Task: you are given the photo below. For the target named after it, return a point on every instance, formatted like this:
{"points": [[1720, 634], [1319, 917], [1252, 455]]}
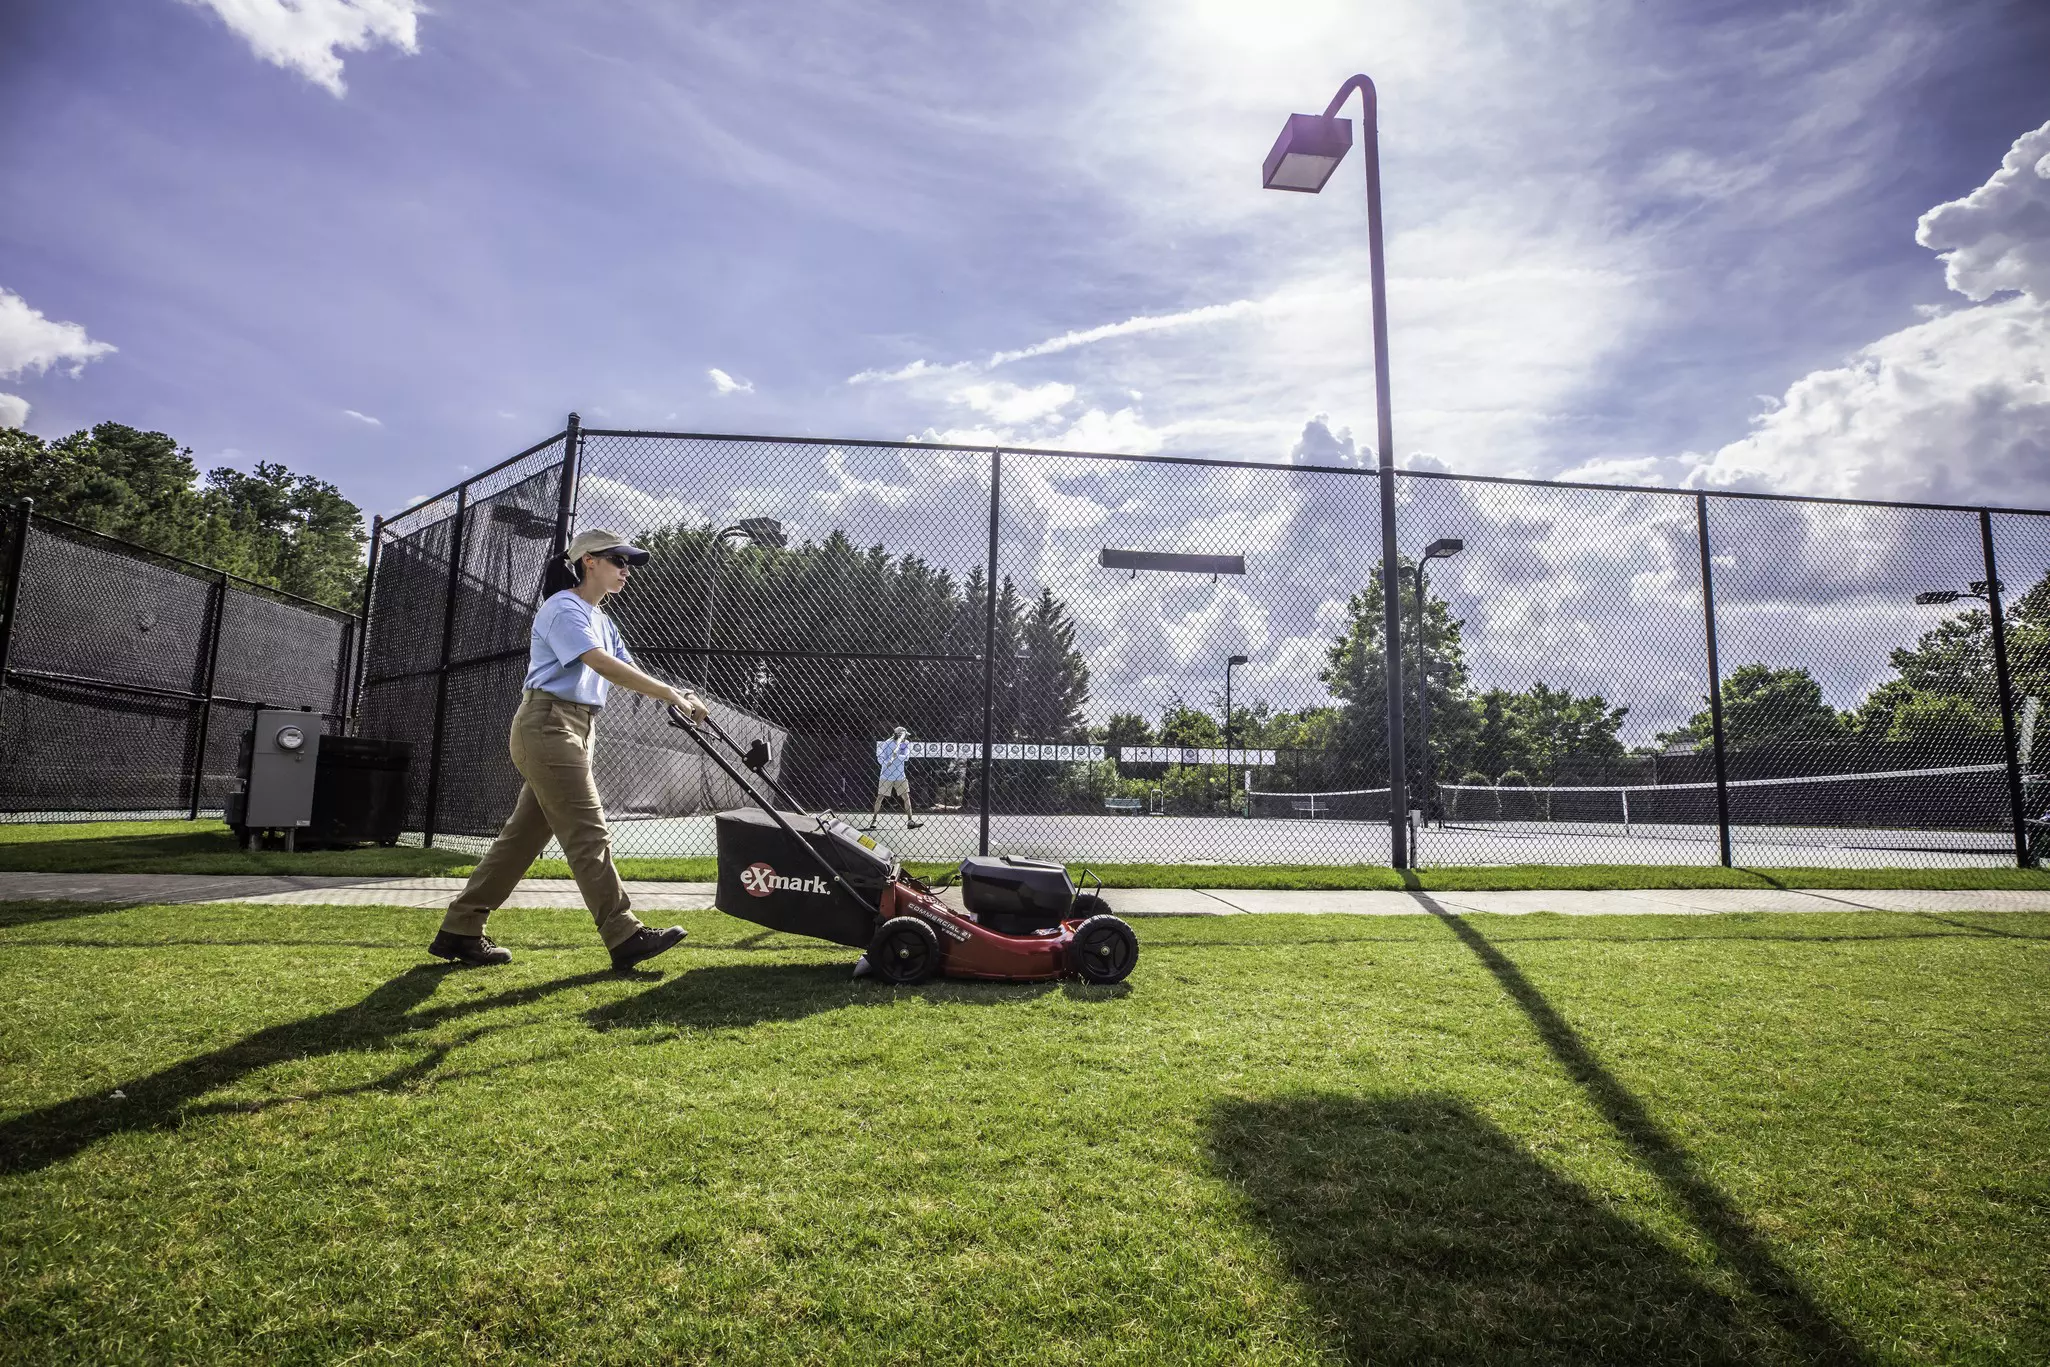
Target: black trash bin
{"points": [[766, 878], [359, 791]]}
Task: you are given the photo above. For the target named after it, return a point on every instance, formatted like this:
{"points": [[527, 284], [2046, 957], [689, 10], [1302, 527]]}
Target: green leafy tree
{"points": [[1764, 705], [1556, 733], [1356, 675], [290, 531], [795, 634]]}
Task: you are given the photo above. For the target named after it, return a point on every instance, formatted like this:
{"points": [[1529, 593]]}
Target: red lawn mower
{"points": [[1025, 920]]}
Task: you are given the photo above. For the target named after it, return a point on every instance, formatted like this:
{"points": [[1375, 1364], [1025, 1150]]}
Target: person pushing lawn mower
{"points": [[574, 655]]}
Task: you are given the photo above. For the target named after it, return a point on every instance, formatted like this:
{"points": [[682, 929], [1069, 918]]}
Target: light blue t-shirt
{"points": [[564, 628], [891, 754]]}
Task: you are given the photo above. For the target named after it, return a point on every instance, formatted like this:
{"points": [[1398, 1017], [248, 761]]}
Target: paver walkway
{"points": [[649, 896]]}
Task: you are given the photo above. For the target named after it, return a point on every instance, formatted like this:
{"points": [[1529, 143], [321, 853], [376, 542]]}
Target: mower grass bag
{"points": [[765, 878], [1020, 896]]}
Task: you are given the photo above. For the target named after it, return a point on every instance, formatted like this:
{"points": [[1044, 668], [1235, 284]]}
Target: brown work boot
{"points": [[474, 950], [645, 944]]}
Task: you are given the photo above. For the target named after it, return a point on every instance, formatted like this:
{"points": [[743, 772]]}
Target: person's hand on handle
{"points": [[690, 704]]}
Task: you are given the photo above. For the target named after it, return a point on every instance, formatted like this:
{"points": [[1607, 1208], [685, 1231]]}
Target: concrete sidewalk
{"points": [[658, 897]]}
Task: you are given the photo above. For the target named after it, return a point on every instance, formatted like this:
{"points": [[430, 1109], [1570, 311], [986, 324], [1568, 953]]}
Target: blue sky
{"points": [[383, 242]]}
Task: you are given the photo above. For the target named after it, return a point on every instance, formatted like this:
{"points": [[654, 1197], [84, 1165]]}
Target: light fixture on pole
{"points": [[1442, 549], [1304, 156], [1229, 665], [1978, 591]]}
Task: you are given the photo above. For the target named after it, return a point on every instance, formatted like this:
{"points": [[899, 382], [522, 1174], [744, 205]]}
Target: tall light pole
{"points": [[1304, 156], [765, 532], [1233, 663], [1441, 549]]}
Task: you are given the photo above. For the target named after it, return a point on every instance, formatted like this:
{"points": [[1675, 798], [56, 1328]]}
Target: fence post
{"points": [[1715, 679], [216, 609], [2000, 679], [448, 634], [989, 641], [361, 672], [565, 499], [10, 592]]}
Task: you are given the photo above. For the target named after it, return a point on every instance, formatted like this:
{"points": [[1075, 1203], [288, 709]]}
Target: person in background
{"points": [[890, 755], [574, 655]]}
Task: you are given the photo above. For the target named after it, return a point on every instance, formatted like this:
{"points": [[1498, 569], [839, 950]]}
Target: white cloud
{"points": [[1955, 408], [31, 344], [908, 372], [363, 418], [1998, 237], [722, 383], [307, 36], [1012, 404], [13, 410], [1068, 341]]}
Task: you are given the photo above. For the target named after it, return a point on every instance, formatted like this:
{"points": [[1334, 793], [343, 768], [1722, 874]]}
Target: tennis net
{"points": [[1823, 808]]}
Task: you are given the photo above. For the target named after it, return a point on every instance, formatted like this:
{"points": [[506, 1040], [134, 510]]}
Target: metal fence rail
{"points": [[126, 675], [1164, 658]]}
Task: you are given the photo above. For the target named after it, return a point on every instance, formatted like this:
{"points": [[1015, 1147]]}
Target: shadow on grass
{"points": [[165, 1099], [730, 996], [32, 913], [1808, 1328], [1421, 1233]]}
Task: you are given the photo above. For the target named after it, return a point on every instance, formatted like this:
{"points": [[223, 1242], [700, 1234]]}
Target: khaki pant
{"points": [[551, 747]]}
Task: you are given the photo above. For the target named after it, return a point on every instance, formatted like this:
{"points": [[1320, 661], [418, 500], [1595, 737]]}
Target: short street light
{"points": [[765, 532], [1303, 158], [1229, 665], [1443, 548]]}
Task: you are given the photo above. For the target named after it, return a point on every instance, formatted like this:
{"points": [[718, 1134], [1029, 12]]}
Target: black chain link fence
{"points": [[127, 677], [1182, 660]]}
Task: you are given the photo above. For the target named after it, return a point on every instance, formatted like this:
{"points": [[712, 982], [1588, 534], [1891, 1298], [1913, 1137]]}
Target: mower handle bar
{"points": [[682, 722]]}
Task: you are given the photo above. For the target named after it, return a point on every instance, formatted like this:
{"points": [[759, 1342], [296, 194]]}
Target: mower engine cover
{"points": [[1016, 896], [766, 878]]}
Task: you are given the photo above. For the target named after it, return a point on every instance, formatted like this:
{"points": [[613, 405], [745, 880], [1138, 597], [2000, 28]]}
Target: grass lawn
{"points": [[208, 847], [1285, 1139]]}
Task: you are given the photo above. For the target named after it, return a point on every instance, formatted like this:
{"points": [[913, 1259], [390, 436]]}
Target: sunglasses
{"points": [[621, 561]]}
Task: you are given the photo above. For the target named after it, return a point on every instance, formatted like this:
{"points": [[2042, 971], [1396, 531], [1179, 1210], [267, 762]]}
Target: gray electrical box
{"points": [[284, 755]]}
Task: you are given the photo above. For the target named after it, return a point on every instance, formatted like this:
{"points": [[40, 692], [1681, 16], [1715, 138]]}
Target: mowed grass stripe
{"points": [[1292, 1139]]}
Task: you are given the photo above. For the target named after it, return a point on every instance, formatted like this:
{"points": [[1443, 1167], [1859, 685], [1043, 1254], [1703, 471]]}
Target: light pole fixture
{"points": [[765, 532], [1977, 590], [1172, 561], [1303, 158], [1229, 665], [1443, 548]]}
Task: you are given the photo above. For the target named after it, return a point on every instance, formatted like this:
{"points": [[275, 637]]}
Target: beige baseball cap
{"points": [[597, 541]]}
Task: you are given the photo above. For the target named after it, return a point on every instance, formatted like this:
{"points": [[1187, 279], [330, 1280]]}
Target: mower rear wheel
{"points": [[1086, 905], [904, 951], [1104, 950]]}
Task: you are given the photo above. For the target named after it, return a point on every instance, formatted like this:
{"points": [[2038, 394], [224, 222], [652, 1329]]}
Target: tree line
{"points": [[289, 531]]}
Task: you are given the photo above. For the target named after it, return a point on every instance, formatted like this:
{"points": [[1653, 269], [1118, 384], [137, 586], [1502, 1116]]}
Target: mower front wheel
{"points": [[905, 951], [1104, 950]]}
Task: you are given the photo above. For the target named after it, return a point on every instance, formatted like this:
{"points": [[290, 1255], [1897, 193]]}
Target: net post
{"points": [[216, 609], [10, 591], [2012, 751], [359, 675], [1715, 679], [989, 639], [448, 634]]}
